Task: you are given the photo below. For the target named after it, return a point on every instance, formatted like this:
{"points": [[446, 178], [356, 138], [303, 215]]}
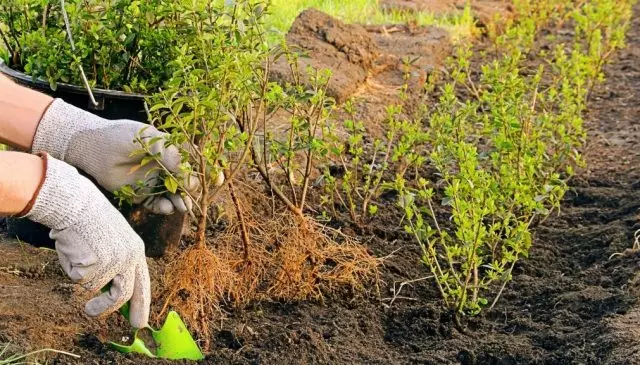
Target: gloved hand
{"points": [[102, 148], [95, 244]]}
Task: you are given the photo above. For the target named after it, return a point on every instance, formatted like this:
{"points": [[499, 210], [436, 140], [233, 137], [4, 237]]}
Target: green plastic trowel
{"points": [[173, 341]]}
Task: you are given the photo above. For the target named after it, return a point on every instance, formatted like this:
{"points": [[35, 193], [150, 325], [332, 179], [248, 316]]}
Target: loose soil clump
{"points": [[328, 43], [417, 51], [364, 60], [408, 55]]}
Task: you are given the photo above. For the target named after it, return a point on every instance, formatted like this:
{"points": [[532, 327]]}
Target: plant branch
{"points": [[243, 225]]}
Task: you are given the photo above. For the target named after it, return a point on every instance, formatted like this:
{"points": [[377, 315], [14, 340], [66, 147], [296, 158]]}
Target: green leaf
{"points": [[157, 107], [373, 209], [171, 184], [146, 160]]}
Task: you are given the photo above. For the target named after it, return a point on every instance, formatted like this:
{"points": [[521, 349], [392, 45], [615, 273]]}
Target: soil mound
{"points": [[413, 50], [326, 42]]}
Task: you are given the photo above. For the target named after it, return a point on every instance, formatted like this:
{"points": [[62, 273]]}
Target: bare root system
{"points": [[266, 257]]}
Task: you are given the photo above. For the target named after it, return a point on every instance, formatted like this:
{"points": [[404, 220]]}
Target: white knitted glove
{"points": [[95, 244], [102, 148]]}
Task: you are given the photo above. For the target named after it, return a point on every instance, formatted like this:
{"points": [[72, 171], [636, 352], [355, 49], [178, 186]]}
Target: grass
{"points": [[366, 12], [17, 359]]}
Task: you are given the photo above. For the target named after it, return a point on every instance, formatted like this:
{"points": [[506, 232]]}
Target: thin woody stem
{"points": [[243, 225]]}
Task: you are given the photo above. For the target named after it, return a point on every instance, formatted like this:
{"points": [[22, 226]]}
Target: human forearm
{"points": [[95, 244], [104, 149], [20, 112], [20, 177]]}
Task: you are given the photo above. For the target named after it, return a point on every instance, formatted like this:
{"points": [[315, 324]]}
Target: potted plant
{"points": [[104, 58]]}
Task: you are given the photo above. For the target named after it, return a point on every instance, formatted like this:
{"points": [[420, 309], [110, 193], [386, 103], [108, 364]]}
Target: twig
{"points": [[309, 162], [283, 198], [432, 265], [240, 214], [635, 247], [396, 293], [392, 252], [45, 14], [204, 198], [504, 284], [6, 42], [73, 48], [14, 359], [289, 162]]}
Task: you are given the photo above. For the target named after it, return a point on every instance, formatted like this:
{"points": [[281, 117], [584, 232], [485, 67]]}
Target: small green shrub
{"points": [[217, 107], [367, 167], [124, 45]]}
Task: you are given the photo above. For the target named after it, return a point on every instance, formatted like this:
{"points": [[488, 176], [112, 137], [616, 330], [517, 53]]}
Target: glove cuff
{"points": [[27, 208], [58, 125], [61, 197]]}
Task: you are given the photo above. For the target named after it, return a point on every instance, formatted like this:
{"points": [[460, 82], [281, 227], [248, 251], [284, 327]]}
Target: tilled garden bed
{"points": [[573, 301]]}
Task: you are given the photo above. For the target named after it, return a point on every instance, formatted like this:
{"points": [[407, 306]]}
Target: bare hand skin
{"points": [[20, 176], [20, 111]]}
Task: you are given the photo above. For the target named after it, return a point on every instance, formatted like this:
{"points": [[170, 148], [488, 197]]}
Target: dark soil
{"points": [[570, 302]]}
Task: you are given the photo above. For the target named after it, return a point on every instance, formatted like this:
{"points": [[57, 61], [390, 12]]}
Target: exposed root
{"points": [[197, 280], [635, 248], [308, 262], [288, 259]]}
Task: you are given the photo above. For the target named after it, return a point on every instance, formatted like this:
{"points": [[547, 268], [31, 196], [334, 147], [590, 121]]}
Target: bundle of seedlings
{"points": [[489, 154], [218, 106], [505, 144]]}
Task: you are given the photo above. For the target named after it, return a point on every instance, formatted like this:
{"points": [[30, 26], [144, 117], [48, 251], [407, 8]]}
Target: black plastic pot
{"points": [[157, 231]]}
